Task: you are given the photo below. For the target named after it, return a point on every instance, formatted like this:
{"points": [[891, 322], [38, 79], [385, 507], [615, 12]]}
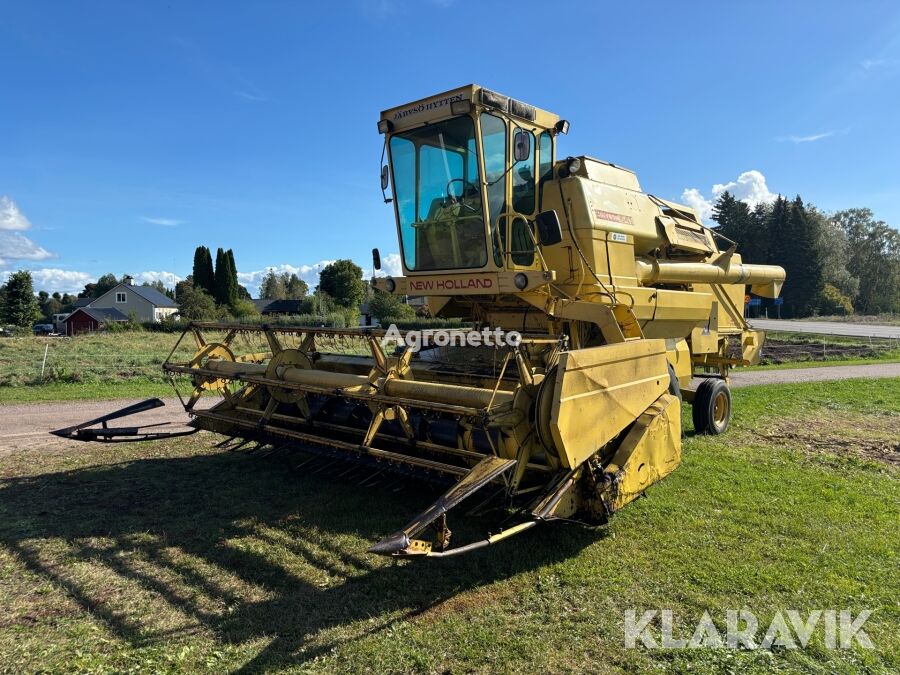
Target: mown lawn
{"points": [[174, 556]]}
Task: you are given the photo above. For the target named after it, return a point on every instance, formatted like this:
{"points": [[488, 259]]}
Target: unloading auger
{"points": [[616, 301]]}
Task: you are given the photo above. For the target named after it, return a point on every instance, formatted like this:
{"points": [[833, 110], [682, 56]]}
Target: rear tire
{"points": [[712, 407], [674, 385]]}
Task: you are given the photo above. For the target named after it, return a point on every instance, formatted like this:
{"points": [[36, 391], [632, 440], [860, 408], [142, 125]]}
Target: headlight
{"points": [[521, 281], [390, 285]]}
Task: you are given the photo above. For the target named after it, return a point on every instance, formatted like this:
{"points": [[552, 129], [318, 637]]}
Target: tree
{"points": [[233, 268], [747, 229], [284, 286], [801, 258], [202, 272], [195, 304], [384, 306], [834, 253], [873, 258], [272, 286], [225, 287], [21, 308], [98, 288], [342, 281], [295, 288]]}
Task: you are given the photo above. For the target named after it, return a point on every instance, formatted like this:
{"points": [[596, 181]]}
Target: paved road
{"points": [[26, 426], [748, 378], [829, 328]]}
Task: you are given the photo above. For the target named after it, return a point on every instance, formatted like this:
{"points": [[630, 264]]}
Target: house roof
{"points": [[100, 315], [82, 302], [269, 306], [151, 295], [281, 307]]}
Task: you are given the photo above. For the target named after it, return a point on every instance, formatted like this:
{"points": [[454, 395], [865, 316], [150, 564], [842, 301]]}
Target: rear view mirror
{"points": [[384, 178], [548, 227], [376, 259], [522, 146]]}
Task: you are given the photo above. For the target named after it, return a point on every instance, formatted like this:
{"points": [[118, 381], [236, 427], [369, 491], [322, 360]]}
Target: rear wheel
{"points": [[712, 407]]}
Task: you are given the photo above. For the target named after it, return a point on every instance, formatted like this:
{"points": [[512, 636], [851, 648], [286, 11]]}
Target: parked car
{"points": [[42, 328]]}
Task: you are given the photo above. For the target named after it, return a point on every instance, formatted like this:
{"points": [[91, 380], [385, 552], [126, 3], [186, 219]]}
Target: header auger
{"points": [[620, 299]]}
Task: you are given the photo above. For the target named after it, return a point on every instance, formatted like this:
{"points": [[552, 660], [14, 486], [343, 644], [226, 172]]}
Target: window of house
{"points": [[120, 297]]}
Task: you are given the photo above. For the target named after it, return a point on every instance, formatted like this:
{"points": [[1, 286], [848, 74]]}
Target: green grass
{"points": [[175, 557], [885, 357]]}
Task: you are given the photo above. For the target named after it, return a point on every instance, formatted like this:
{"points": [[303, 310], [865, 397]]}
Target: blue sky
{"points": [[132, 132]]}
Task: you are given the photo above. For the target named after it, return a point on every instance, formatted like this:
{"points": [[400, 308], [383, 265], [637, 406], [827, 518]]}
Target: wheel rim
{"points": [[720, 408]]}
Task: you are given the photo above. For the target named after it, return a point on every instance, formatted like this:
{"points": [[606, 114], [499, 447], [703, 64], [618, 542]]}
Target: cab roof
{"points": [[438, 106]]}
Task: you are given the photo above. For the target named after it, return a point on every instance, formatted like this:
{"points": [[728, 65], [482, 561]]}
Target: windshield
{"points": [[438, 196]]}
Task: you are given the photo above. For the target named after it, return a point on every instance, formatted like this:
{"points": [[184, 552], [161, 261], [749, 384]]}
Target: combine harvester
{"points": [[621, 299]]}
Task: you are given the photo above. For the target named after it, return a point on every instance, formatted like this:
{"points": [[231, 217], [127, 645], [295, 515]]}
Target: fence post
{"points": [[44, 364]]}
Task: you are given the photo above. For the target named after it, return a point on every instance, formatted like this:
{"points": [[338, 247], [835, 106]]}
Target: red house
{"points": [[89, 319]]}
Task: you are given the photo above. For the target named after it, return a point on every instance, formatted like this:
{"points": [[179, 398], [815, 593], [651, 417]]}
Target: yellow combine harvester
{"points": [[619, 298]]}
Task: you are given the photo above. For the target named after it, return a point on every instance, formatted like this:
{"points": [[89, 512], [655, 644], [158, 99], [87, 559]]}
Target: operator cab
{"points": [[467, 169]]}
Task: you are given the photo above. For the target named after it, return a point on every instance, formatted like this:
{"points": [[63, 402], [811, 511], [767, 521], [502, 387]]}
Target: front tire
{"points": [[712, 407]]}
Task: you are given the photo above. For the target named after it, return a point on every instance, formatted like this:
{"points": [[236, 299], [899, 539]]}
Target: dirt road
{"points": [[28, 425]]}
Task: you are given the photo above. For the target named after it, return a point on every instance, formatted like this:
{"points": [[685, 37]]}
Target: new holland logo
{"points": [[451, 284]]}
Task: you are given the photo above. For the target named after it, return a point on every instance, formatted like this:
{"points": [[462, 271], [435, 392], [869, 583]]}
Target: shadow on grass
{"points": [[169, 511]]}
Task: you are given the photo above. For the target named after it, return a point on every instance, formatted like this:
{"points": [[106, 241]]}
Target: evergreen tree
{"points": [[234, 277], [803, 263], [21, 308], [225, 286], [202, 273], [209, 276]]}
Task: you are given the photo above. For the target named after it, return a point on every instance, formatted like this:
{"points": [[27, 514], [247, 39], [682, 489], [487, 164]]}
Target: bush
{"points": [[244, 308], [832, 301]]}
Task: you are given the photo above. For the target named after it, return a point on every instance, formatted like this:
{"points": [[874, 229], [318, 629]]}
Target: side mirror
{"points": [[385, 177], [548, 227], [376, 259], [521, 146]]}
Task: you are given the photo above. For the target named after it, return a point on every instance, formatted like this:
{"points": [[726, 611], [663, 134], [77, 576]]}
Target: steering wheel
{"points": [[460, 199]]}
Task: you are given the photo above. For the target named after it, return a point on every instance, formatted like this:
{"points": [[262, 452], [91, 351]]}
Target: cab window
{"points": [[493, 138], [546, 163], [523, 180]]}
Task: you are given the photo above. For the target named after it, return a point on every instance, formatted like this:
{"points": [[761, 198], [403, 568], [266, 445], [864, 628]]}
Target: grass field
{"points": [[172, 556], [128, 364]]}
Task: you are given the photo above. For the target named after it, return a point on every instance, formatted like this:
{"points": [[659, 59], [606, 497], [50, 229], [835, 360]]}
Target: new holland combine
{"points": [[620, 300]]}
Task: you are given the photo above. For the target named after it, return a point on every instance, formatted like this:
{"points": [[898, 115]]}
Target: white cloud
{"points": [[53, 279], [391, 265], [11, 218], [693, 198], [166, 222], [169, 279], [750, 187], [805, 139], [309, 274], [871, 64], [13, 245]]}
